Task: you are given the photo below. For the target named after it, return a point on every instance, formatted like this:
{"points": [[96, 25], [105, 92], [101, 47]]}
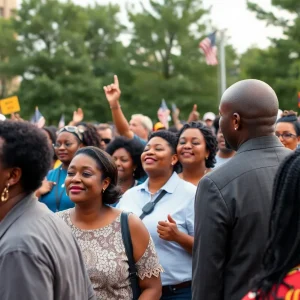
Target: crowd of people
{"points": [[201, 209]]}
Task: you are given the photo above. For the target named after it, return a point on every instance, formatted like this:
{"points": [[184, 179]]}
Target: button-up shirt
{"points": [[179, 203]]}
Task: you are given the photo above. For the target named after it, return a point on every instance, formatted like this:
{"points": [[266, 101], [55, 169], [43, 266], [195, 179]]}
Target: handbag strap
{"points": [[158, 198], [125, 230]]}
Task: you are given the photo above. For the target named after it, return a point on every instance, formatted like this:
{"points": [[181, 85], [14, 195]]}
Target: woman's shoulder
{"points": [[64, 214], [52, 173]]}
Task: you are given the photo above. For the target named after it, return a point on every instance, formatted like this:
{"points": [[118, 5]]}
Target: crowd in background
{"points": [[212, 201]]}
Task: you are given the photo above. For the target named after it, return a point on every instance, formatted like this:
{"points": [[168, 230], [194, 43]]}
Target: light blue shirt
{"points": [[220, 161], [179, 203]]}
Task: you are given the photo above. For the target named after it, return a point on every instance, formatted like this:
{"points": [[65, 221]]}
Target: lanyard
{"points": [[58, 195]]}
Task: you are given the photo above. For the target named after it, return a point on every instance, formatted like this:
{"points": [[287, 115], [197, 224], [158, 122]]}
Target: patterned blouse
{"points": [[106, 261]]}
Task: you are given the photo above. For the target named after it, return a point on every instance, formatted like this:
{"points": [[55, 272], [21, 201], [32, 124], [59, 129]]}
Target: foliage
{"points": [[279, 65], [65, 53], [8, 52], [166, 60]]}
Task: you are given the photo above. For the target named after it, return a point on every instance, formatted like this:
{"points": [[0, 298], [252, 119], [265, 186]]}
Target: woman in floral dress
{"points": [[91, 184]]}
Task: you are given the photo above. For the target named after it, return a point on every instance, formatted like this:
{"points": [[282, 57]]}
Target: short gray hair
{"points": [[146, 121]]}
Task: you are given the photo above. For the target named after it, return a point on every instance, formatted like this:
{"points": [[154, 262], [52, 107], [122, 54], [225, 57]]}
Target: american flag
{"points": [[163, 113], [208, 45], [38, 119]]}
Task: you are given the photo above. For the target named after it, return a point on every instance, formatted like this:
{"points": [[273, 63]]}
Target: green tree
{"points": [[166, 60], [8, 53], [60, 45], [279, 64]]}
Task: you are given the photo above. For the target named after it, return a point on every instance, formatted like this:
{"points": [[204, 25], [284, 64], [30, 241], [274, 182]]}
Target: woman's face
{"points": [[191, 147], [84, 179], [158, 156], [287, 135], [124, 163], [66, 146]]}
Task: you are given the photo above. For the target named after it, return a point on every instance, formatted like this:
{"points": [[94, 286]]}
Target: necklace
{"points": [[58, 195]]}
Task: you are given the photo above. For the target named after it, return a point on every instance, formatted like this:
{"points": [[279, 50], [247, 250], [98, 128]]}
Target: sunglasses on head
{"points": [[73, 129]]}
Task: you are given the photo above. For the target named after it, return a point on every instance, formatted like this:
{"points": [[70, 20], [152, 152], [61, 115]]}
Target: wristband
{"points": [[115, 106]]}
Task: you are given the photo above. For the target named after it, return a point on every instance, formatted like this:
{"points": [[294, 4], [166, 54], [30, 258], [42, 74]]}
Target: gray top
{"points": [[39, 257], [232, 211]]}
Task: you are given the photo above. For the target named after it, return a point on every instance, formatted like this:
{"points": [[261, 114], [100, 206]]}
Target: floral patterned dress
{"points": [[106, 261]]}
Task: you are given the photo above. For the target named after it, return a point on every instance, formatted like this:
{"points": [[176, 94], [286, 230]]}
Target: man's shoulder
{"points": [[245, 162]]}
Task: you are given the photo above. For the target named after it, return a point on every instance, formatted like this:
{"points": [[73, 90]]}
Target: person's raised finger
{"points": [[195, 107], [116, 81]]}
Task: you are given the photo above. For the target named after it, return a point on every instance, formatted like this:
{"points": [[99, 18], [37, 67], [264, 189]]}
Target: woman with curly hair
{"points": [[196, 150], [279, 277], [288, 129], [127, 156], [165, 202], [91, 184]]}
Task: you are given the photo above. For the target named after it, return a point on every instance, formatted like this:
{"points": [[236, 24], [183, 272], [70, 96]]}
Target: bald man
{"points": [[233, 202]]}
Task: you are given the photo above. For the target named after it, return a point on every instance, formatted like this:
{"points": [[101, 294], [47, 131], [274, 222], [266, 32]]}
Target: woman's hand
{"points": [[113, 92], [45, 188], [168, 230]]}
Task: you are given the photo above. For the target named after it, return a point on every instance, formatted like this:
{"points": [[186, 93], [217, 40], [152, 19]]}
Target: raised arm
{"points": [[212, 221], [113, 93]]}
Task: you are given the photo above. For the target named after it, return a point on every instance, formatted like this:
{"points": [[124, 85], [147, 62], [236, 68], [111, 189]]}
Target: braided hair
{"points": [[283, 246], [210, 141]]}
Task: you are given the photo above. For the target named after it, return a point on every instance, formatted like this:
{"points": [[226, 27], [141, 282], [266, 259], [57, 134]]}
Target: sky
{"points": [[242, 28]]}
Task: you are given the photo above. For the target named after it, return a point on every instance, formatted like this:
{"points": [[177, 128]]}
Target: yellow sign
{"points": [[9, 105]]}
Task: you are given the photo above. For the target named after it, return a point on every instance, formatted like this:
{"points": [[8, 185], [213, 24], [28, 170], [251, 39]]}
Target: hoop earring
{"points": [[5, 194]]}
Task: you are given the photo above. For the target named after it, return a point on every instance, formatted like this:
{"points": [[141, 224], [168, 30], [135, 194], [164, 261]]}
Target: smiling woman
{"points": [[91, 184], [53, 192], [196, 149], [173, 238]]}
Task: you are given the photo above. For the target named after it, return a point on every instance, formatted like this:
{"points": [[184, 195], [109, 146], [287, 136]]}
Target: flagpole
{"points": [[222, 61]]}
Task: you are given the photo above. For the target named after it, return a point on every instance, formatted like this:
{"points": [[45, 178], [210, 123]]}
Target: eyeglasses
{"points": [[106, 141], [73, 129], [285, 135], [66, 145]]}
